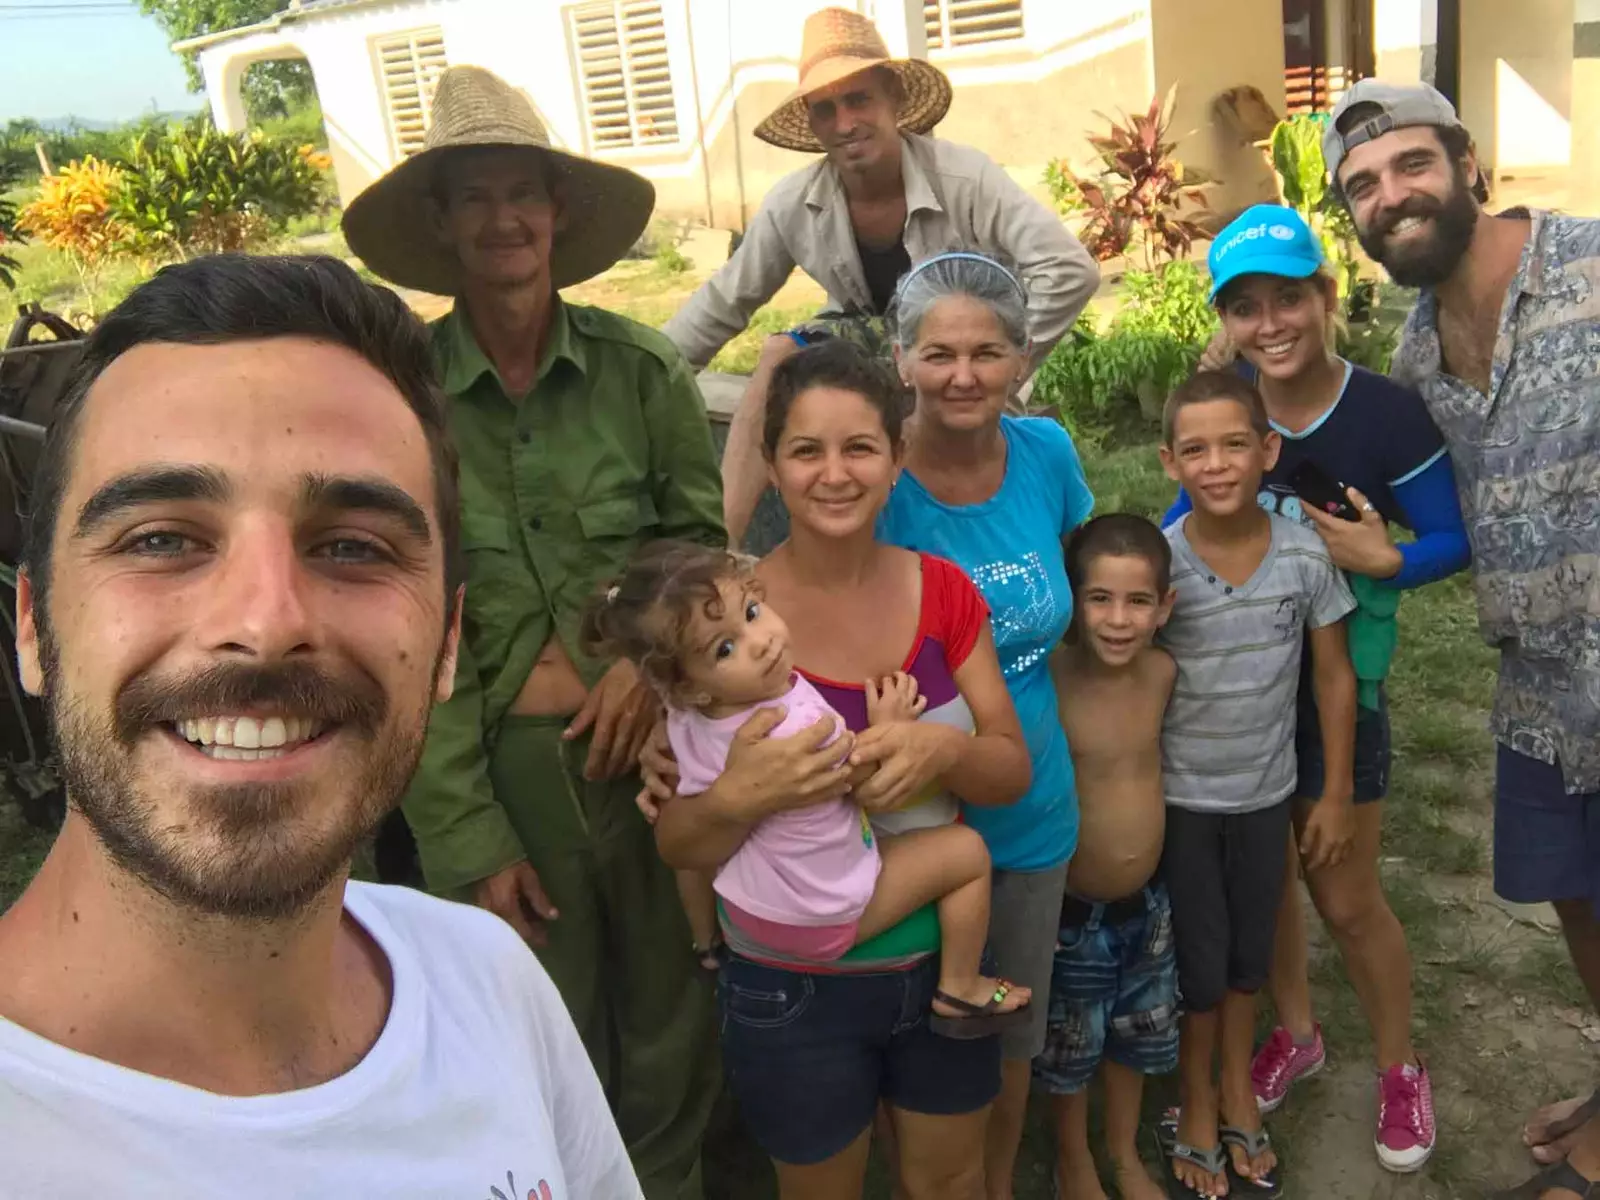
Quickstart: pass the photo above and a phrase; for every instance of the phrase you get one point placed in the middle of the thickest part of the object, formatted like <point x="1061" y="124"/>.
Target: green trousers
<point x="619" y="950"/>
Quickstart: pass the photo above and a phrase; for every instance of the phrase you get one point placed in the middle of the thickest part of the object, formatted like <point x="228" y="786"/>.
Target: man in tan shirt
<point x="884" y="197"/>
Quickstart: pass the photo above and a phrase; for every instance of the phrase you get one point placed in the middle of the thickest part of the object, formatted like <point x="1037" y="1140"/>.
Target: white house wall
<point x="1026" y="100"/>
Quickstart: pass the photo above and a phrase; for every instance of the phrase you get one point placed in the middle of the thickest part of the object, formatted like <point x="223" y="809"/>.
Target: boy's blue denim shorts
<point x="1114" y="994"/>
<point x="809" y="1056"/>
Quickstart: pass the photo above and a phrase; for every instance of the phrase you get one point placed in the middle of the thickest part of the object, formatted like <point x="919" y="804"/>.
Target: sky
<point x="96" y="59"/>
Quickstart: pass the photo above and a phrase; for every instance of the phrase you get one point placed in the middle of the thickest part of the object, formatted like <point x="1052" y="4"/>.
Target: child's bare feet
<point x="1080" y="1181"/>
<point x="1135" y="1183"/>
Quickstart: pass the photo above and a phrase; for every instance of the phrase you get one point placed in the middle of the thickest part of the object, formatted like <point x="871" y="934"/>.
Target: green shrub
<point x="10" y="235"/>
<point x="670" y="260"/>
<point x="195" y="190"/>
<point x="1107" y="384"/>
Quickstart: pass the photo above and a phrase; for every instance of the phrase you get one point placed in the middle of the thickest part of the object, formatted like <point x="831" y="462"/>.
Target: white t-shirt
<point x="478" y="1088"/>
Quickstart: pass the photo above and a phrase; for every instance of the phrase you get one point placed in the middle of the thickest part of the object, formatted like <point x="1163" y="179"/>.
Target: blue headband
<point x="950" y="256"/>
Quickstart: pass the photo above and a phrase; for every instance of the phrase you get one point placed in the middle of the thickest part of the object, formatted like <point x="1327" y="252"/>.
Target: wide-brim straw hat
<point x="837" y="44"/>
<point x="388" y="225"/>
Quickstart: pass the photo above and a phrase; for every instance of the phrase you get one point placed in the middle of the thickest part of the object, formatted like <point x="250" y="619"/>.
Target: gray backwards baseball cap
<point x="1402" y="107"/>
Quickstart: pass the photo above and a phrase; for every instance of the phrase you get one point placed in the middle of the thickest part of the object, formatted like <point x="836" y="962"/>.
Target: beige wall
<point x="1021" y="125"/>
<point x="1206" y="47"/>
<point x="1585" y="175"/>
<point x="1516" y="81"/>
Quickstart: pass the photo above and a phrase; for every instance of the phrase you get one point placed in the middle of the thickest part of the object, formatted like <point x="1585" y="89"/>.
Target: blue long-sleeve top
<point x="1432" y="512"/>
<point x="1378" y="438"/>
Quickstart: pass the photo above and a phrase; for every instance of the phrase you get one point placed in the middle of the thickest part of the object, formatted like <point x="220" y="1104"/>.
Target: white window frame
<point x="938" y="16"/>
<point x="429" y="59"/>
<point x="621" y="13"/>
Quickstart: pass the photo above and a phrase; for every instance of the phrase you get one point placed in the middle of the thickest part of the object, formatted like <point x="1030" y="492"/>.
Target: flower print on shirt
<point x="542" y="1192"/>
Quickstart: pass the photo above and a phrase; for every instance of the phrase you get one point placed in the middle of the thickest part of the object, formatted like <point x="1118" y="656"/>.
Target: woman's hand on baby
<point x="909" y="756"/>
<point x="894" y="698"/>
<point x="771" y="774"/>
<point x="1363" y="546"/>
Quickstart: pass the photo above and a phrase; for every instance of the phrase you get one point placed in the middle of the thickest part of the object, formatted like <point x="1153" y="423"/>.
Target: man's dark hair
<point x="834" y="363"/>
<point x="1455" y="140"/>
<point x="1206" y="386"/>
<point x="1119" y="535"/>
<point x="237" y="297"/>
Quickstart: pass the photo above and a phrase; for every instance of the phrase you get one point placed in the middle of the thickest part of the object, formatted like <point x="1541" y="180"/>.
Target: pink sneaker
<point x="1280" y="1063"/>
<point x="1405" y="1119"/>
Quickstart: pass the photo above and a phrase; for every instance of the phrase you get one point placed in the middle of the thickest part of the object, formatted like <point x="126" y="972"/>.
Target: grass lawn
<point x="1499" y="1014"/>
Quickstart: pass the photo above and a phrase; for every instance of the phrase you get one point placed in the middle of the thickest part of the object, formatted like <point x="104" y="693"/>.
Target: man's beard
<point x="239" y="851"/>
<point x="1430" y="260"/>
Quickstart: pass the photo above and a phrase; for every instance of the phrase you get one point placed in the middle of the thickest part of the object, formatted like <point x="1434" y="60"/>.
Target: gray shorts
<point x="1024" y="918"/>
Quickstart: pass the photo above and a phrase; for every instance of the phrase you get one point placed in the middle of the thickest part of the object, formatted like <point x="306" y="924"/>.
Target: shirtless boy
<point x="1113" y="997"/>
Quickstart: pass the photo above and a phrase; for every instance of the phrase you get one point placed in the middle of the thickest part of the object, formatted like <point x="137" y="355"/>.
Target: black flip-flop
<point x="1252" y="1142"/>
<point x="1556" y="1175"/>
<point x="978" y="1020"/>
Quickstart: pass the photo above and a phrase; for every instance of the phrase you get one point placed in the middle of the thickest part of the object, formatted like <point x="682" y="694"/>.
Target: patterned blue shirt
<point x="1527" y="463"/>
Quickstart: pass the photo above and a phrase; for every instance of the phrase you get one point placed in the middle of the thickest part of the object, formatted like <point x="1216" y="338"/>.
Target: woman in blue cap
<point x="1359" y="452"/>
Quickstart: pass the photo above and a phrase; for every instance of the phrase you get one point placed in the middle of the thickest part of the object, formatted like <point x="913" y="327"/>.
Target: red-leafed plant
<point x="1138" y="197"/>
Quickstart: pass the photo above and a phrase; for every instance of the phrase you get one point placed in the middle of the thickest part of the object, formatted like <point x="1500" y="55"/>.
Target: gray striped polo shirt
<point x="1227" y="744"/>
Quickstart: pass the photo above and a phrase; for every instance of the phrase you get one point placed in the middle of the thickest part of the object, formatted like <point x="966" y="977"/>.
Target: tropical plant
<point x="1296" y="153"/>
<point x="73" y="214"/>
<point x="196" y="190"/>
<point x="1137" y="197"/>
<point x="1104" y="381"/>
<point x="10" y="235"/>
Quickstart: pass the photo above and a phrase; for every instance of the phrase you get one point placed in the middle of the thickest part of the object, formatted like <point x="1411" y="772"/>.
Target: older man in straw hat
<point x="884" y="197"/>
<point x="582" y="436"/>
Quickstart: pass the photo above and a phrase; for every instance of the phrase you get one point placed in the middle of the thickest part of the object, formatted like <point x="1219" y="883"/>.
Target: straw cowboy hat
<point x="389" y="227"/>
<point x="836" y="44"/>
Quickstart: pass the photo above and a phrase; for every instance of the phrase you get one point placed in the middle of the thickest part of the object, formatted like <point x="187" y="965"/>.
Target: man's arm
<point x="685" y="479"/>
<point x="1060" y="275"/>
<point x="463" y="834"/>
<point x="724" y="304"/>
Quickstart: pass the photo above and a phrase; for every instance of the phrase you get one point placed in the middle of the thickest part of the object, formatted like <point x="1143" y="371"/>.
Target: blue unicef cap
<point x="1266" y="239"/>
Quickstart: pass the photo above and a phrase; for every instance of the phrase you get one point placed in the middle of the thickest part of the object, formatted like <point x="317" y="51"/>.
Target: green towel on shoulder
<point x="1373" y="634"/>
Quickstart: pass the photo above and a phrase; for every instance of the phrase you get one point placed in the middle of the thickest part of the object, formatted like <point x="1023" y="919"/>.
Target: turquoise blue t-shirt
<point x="1010" y="546"/>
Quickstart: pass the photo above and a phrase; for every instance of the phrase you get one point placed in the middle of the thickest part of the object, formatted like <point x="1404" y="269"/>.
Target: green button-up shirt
<point x="608" y="450"/>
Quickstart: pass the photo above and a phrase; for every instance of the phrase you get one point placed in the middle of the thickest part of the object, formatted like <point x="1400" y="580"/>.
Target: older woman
<point x="997" y="495"/>
<point x="812" y="1051"/>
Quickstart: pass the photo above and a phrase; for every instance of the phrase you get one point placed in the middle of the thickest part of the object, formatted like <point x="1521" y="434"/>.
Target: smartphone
<point x="1316" y="487"/>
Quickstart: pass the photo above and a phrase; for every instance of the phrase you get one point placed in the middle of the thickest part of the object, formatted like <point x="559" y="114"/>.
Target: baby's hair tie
<point x="611" y="594"/>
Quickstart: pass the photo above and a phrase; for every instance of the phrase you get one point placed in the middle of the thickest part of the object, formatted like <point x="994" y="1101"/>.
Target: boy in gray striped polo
<point x="1252" y="589"/>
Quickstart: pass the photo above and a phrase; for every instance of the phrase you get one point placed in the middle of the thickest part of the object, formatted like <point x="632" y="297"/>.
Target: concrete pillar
<point x="224" y="74"/>
<point x="902" y="25"/>
<point x="1584" y="195"/>
<point x="1399" y="39"/>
